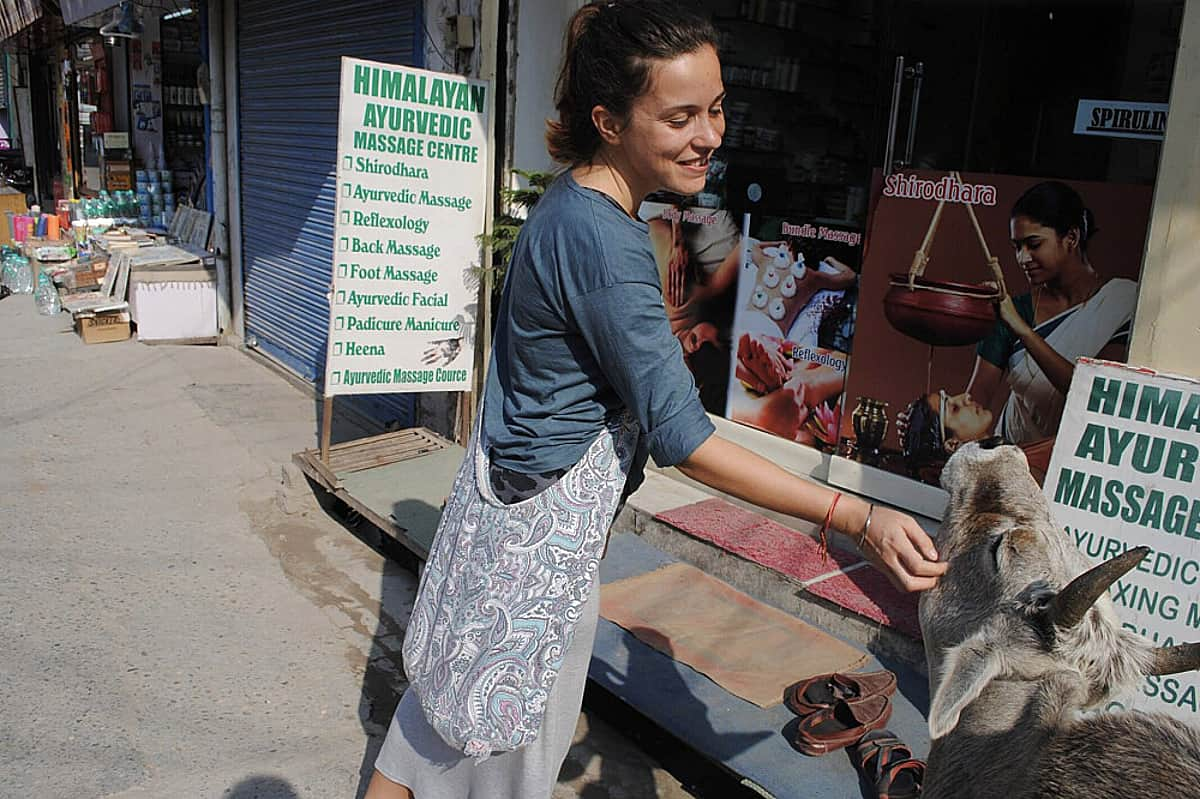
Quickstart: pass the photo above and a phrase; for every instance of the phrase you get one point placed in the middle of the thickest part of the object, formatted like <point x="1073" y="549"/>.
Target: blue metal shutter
<point x="289" y="65"/>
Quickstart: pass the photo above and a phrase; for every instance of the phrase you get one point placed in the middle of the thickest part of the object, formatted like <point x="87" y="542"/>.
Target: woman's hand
<point x="898" y="547"/>
<point x="760" y="257"/>
<point x="677" y="267"/>
<point x="1007" y="311"/>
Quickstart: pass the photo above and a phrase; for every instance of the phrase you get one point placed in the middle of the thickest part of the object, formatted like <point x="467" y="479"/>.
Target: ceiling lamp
<point x="124" y="25"/>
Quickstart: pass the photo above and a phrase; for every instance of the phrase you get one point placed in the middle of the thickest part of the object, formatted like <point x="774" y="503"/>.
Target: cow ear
<point x="968" y="668"/>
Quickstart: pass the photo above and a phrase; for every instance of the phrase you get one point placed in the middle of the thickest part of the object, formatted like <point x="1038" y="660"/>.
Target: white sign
<point x="1124" y="474"/>
<point x="411" y="189"/>
<point x="1120" y="120"/>
<point x="116" y="141"/>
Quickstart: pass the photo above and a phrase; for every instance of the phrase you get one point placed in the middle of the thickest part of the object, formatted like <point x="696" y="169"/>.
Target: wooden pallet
<point x="352" y="457"/>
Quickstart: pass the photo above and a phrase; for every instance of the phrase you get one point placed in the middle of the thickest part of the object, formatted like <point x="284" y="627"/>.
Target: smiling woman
<point x="588" y="380"/>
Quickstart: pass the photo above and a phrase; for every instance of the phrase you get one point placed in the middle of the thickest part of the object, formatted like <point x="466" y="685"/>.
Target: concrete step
<point x="778" y="562"/>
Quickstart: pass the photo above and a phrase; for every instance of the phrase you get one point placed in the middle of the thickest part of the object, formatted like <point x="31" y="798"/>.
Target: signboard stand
<point x="1124" y="473"/>
<point x="413" y="185"/>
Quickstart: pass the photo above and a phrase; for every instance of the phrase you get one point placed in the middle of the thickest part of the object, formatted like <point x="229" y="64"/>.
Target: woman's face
<point x="963" y="418"/>
<point x="1041" y="252"/>
<point x="675" y="126"/>
<point x="697" y="336"/>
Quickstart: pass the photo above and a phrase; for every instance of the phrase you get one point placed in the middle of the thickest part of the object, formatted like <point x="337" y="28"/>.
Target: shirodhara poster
<point x="1124" y="474"/>
<point x="941" y="359"/>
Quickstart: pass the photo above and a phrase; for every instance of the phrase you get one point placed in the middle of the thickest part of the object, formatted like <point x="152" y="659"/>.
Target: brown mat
<point x="750" y="649"/>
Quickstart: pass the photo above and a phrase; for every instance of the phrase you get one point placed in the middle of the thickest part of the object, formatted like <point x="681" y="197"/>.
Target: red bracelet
<point x="825" y="527"/>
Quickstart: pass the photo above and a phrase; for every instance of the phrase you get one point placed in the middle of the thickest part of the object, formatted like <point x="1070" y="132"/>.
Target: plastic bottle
<point x="8" y="277"/>
<point x="24" y="276"/>
<point x="46" y="296"/>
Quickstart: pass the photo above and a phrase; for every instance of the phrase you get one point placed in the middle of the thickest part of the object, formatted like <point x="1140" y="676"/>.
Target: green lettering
<point x="1133" y="503"/>
<point x="477" y="97"/>
<point x="1069" y="488"/>
<point x="1091" y="495"/>
<point x="1152" y="513"/>
<point x="1193" y="616"/>
<point x="1190" y="418"/>
<point x="362" y="79"/>
<point x="1091" y="443"/>
<point x="1112" y="498"/>
<point x="1177" y="507"/>
<point x="1156" y="409"/>
<point x="369" y="118"/>
<point x="1118" y="441"/>
<point x="1181" y="461"/>
<point x="390" y="83"/>
<point x="410" y="88"/>
<point x="1193" y="522"/>
<point x="1148" y="453"/>
<point x="1103" y="398"/>
<point x="437" y="95"/>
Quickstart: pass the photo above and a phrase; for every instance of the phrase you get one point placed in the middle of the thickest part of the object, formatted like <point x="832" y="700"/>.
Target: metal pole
<point x="326" y="428"/>
<point x="219" y="159"/>
<point x="233" y="172"/>
<point x="889" y="153"/>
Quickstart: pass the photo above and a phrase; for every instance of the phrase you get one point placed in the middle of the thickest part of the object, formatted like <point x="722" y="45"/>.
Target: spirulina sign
<point x="411" y="190"/>
<point x="1125" y="473"/>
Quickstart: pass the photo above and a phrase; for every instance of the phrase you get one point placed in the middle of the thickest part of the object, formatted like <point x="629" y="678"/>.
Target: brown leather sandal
<point x="817" y="693"/>
<point x="841" y="724"/>
<point x="887" y="764"/>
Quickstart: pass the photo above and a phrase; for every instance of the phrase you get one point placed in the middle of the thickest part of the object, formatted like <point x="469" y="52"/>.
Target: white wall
<point x="540" y="26"/>
<point x="1165" y="333"/>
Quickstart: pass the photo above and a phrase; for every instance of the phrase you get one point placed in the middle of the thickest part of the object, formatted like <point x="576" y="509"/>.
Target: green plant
<point x="507" y="224"/>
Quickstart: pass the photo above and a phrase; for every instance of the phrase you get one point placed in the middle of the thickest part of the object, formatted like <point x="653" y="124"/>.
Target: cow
<point x="1026" y="653"/>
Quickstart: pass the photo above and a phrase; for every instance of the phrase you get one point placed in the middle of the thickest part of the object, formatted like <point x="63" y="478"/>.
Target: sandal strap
<point x="883" y="785"/>
<point x="876" y="753"/>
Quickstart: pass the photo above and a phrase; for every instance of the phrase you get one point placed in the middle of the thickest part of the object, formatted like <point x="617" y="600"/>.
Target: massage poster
<point x="793" y="326"/>
<point x="934" y="362"/>
<point x="412" y="192"/>
<point x="1124" y="474"/>
<point x="698" y="250"/>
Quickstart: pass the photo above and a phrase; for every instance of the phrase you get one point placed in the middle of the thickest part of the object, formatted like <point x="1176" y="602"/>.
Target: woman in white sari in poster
<point x="1070" y="312"/>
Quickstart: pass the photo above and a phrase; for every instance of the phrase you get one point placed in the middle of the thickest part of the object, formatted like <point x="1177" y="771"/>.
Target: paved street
<point x="177" y="619"/>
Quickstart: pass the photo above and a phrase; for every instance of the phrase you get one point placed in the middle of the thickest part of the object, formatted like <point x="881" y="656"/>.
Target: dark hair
<point x="608" y="55"/>
<point x="923" y="439"/>
<point x="1057" y="205"/>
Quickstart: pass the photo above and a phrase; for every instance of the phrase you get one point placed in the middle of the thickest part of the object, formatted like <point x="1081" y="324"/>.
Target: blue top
<point x="581" y="334"/>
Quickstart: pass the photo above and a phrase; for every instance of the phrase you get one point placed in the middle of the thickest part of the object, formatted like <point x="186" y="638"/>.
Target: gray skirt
<point x="414" y="755"/>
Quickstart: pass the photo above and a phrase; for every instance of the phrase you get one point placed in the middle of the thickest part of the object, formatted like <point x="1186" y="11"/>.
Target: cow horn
<point x="1073" y="602"/>
<point x="1174" y="659"/>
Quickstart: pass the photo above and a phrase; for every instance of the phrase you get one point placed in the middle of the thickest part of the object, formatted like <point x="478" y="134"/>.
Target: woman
<point x="1070" y="312"/>
<point x="582" y="337"/>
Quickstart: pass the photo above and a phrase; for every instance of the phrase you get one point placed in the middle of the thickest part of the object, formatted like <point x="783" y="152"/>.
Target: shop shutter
<point x="289" y="64"/>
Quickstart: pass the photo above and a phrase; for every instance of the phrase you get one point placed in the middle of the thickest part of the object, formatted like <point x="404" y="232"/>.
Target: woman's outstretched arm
<point x="895" y="543"/>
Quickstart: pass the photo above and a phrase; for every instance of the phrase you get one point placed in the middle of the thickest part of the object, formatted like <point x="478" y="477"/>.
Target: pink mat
<point x="756" y="538"/>
<point x="752" y="650"/>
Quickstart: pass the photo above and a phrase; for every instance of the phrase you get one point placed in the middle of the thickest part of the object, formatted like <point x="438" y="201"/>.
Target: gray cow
<point x="1021" y="639"/>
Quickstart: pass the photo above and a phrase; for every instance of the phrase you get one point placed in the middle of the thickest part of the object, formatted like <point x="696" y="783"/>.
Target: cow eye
<point x="997" y="541"/>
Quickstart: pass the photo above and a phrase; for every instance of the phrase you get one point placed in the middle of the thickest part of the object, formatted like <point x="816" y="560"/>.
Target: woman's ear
<point x="607" y="124"/>
<point x="1072" y="239"/>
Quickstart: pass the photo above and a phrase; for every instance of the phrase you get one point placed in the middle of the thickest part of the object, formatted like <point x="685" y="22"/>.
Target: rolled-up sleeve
<point x="625" y="326"/>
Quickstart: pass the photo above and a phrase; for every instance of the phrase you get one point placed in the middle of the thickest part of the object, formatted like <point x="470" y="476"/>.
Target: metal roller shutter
<point x="289" y="64"/>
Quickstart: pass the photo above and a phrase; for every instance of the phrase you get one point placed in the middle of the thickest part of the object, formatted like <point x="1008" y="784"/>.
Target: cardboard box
<point x="101" y="328"/>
